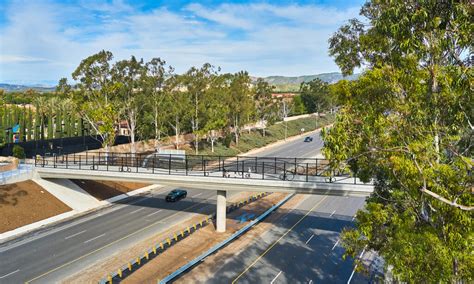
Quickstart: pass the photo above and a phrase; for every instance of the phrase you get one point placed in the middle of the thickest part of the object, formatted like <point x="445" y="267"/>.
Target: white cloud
<point x="46" y="41"/>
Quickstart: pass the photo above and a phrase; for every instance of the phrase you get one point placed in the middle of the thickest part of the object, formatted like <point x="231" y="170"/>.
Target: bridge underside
<point x="213" y="183"/>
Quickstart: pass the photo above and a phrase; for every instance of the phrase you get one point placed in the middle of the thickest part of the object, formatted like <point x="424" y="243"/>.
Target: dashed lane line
<point x="276" y="277"/>
<point x="11" y="273"/>
<point x="109" y="244"/>
<point x="135" y="211"/>
<point x="156" y="212"/>
<point x="355" y="267"/>
<point x="332" y="213"/>
<point x="76" y="234"/>
<point x="309" y="239"/>
<point x="94" y="238"/>
<point x="335" y="245"/>
<point x="277" y="241"/>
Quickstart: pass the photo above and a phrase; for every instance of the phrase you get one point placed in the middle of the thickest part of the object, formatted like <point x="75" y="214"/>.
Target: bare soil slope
<point x="106" y="189"/>
<point x="26" y="202"/>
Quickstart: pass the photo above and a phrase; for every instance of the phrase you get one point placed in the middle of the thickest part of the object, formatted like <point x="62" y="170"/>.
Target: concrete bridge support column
<point x="221" y="211"/>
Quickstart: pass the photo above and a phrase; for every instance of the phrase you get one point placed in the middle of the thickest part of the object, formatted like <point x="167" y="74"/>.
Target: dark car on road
<point x="176" y="194"/>
<point x="308" y="139"/>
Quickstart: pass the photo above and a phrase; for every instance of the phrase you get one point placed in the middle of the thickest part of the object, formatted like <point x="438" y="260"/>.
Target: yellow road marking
<point x="268" y="249"/>
<point x="108" y="245"/>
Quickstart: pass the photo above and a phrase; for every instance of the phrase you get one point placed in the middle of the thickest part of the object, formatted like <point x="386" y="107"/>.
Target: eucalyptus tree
<point x="177" y="104"/>
<point x="240" y="102"/>
<point x="265" y="106"/>
<point x="407" y="123"/>
<point x="196" y="83"/>
<point x="156" y="76"/>
<point x="215" y="116"/>
<point x="315" y="95"/>
<point x="130" y="76"/>
<point x="95" y="98"/>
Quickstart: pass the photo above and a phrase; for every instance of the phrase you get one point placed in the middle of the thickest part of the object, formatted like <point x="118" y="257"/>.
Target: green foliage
<point x="315" y="96"/>
<point x="406" y="124"/>
<point x="18" y="152"/>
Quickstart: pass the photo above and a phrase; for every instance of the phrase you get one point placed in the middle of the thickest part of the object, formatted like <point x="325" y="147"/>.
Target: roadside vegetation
<point x="276" y="132"/>
<point x="407" y="123"/>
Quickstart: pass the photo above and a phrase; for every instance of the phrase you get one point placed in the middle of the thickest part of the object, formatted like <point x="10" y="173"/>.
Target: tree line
<point x="155" y="101"/>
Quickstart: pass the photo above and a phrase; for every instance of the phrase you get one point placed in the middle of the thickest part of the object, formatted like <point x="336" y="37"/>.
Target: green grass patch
<point x="255" y="138"/>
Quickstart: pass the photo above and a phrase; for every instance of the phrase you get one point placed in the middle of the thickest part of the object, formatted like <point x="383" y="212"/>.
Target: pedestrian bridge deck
<point x="295" y="175"/>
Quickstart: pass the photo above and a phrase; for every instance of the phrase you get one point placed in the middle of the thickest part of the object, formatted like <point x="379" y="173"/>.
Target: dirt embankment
<point x="26" y="202"/>
<point x="106" y="189"/>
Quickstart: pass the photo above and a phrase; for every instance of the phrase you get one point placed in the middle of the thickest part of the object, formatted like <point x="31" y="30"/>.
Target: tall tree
<point x="196" y="81"/>
<point x="95" y="98"/>
<point x="130" y="76"/>
<point x="154" y="89"/>
<point x="407" y="123"/>
<point x="240" y="102"/>
<point x="265" y="106"/>
<point x="315" y="95"/>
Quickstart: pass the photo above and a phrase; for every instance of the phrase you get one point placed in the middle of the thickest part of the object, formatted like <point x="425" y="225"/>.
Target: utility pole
<point x="284" y="114"/>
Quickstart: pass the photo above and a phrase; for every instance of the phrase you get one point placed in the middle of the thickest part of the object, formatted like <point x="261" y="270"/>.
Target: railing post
<point x="66" y="161"/>
<point x="136" y="161"/>
<point x="186" y="163"/>
<point x="79" y="162"/>
<point x="237" y="163"/>
<point x="275" y="165"/>
<point x="243" y="168"/>
<point x="99" y="158"/>
<point x="74" y="157"/>
<point x="54" y="161"/>
<point x="256" y="164"/>
<point x="36" y="158"/>
<point x="263" y="170"/>
<point x="153" y="164"/>
<point x="169" y="165"/>
<point x="93" y="162"/>
<point x="316" y="173"/>
<point x="284" y="169"/>
<point x="204" y="165"/>
<point x="86" y="157"/>
<point x="307" y="172"/>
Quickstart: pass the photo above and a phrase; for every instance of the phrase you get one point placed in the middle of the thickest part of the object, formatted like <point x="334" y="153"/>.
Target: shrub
<point x="18" y="152"/>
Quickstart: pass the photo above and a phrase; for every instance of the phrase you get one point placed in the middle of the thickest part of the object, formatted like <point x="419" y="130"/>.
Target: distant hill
<point x="285" y="84"/>
<point x="21" y="88"/>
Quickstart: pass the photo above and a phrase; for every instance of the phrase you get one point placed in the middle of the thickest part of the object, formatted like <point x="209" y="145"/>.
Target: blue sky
<point x="42" y="41"/>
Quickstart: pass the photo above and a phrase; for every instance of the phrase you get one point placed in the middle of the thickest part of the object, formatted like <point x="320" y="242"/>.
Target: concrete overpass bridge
<point x="219" y="173"/>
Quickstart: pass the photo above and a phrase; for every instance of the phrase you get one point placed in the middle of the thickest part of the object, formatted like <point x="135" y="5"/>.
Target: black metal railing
<point x="266" y="168"/>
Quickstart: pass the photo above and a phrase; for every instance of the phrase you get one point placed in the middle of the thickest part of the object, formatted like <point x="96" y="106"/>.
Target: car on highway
<point x="308" y="139"/>
<point x="176" y="194"/>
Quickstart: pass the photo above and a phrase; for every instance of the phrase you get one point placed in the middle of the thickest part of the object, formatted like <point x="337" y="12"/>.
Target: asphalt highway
<point x="302" y="247"/>
<point x="54" y="253"/>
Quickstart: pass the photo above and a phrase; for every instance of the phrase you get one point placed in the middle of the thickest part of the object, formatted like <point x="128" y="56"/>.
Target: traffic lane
<point x="297" y="148"/>
<point x="54" y="250"/>
<point x="234" y="264"/>
<point x="309" y="252"/>
<point x="321" y="221"/>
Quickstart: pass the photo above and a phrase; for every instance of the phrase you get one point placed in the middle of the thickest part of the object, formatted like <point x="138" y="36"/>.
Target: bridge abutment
<point x="221" y="211"/>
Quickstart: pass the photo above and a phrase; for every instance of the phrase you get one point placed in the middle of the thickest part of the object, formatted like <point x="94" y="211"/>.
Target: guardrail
<point x="131" y="266"/>
<point x="198" y="259"/>
<point x="272" y="168"/>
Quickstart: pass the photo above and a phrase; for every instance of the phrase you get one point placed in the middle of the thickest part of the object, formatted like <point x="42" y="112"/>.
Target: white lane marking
<point x="196" y="195"/>
<point x="310" y="281"/>
<point x="335" y="245"/>
<point x="90" y="240"/>
<point x="276" y="277"/>
<point x="353" y="271"/>
<point x="156" y="212"/>
<point x="332" y="213"/>
<point x="68" y="237"/>
<point x="353" y="217"/>
<point x="140" y="209"/>
<point x="309" y="239"/>
<point x="6" y="275"/>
